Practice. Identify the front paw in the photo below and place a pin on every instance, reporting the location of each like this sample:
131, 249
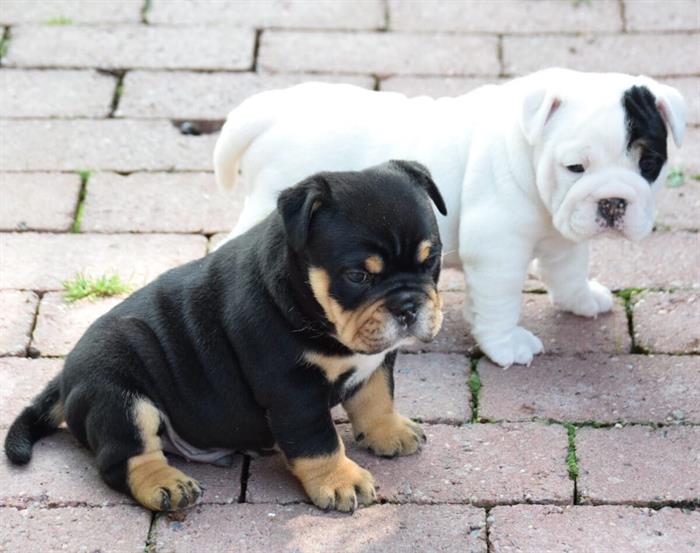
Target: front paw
391, 435
339, 484
516, 346
589, 302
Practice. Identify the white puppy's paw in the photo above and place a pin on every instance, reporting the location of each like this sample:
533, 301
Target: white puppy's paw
589, 302
516, 346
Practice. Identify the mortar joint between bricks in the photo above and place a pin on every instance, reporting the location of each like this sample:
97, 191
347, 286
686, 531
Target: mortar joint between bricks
118, 91
245, 475
474, 387
627, 296
150, 546
80, 206
256, 49
4, 42
623, 15
387, 16
145, 9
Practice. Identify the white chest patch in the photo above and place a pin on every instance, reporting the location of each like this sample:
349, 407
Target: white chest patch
335, 367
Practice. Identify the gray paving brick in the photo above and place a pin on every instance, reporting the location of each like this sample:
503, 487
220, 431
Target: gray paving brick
38, 201
382, 53
679, 15
190, 95
45, 261
22, 379
72, 11
662, 260
121, 529
667, 322
159, 202
639, 465
582, 529
480, 464
628, 388
653, 54
689, 87
319, 14
131, 46
305, 529
528, 16
33, 93
110, 145
434, 86
17, 311
678, 208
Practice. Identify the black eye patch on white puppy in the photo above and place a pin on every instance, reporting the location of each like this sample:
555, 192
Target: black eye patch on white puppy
646, 130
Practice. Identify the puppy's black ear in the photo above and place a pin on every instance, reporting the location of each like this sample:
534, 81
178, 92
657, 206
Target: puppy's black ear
297, 205
422, 177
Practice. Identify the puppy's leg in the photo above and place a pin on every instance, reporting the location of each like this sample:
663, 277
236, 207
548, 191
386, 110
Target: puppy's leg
564, 270
375, 422
123, 431
316, 456
494, 276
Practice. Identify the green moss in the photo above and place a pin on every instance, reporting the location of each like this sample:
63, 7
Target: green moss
695, 177
675, 178
628, 293
59, 20
475, 388
83, 286
571, 459
80, 208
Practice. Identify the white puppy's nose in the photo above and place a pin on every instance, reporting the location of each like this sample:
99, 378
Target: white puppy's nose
612, 210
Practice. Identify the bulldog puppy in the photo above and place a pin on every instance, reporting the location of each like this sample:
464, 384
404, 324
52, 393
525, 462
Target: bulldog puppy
250, 347
533, 168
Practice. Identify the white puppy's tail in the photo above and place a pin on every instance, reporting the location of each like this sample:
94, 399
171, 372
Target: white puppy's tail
243, 125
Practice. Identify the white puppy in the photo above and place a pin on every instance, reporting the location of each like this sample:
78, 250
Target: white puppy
532, 168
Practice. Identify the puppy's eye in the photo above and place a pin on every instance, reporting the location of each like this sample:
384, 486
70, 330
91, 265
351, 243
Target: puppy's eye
576, 168
357, 277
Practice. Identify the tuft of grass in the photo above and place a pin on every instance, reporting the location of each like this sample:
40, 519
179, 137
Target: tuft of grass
83, 286
628, 293
4, 43
695, 177
675, 178
475, 388
80, 208
59, 20
571, 459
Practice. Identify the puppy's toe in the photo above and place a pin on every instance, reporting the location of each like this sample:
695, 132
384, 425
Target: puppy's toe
343, 488
392, 435
160, 487
517, 346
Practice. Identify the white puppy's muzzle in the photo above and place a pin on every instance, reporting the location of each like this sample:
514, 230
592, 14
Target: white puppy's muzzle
616, 200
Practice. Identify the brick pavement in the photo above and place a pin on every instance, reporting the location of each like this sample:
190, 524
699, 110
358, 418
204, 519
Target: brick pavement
102, 86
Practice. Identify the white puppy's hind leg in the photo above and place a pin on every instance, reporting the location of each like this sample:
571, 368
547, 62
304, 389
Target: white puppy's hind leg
564, 270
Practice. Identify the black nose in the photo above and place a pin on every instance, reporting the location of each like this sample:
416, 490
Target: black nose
404, 307
612, 210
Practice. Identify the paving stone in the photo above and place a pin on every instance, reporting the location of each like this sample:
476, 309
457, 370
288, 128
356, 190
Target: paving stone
72, 11
222, 485
654, 54
479, 464
662, 260
189, 95
628, 388
639, 465
38, 201
17, 311
320, 14
451, 280
45, 261
118, 529
678, 208
61, 473
583, 529
305, 529
435, 86
61, 324
30, 93
667, 322
484, 16
381, 53
454, 336
568, 334
679, 15
109, 145
689, 87
687, 158
215, 240
131, 46
22, 379
158, 202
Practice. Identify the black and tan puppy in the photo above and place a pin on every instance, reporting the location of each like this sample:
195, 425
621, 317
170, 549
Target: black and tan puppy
250, 347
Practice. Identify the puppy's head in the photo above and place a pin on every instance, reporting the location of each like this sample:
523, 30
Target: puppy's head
370, 246
600, 149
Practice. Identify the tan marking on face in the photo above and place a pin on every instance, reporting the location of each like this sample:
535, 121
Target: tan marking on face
333, 366
152, 481
423, 250
333, 481
373, 417
361, 330
435, 299
374, 264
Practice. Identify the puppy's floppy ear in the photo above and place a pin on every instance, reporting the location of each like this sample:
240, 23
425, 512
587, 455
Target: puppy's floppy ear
671, 106
538, 108
422, 177
297, 205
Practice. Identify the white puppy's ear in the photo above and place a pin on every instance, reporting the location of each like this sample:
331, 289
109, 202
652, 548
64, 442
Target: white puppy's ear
538, 108
671, 105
